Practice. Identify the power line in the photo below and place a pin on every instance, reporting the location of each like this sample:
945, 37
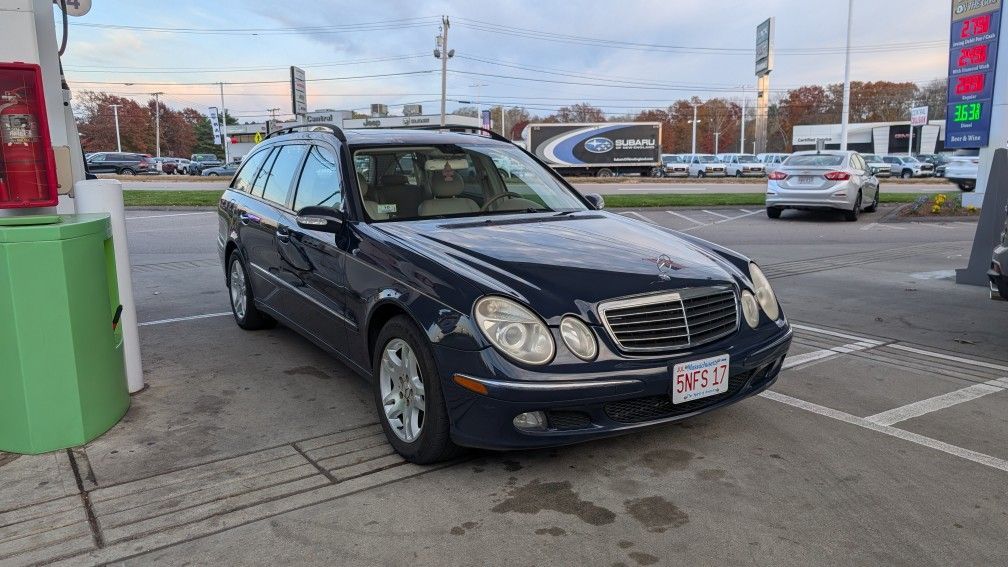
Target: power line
299, 30
159, 70
282, 81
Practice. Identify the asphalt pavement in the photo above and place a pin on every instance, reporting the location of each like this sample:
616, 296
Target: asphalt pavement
883, 442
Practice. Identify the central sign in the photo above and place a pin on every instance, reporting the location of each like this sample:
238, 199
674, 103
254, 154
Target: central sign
299, 93
764, 47
973, 47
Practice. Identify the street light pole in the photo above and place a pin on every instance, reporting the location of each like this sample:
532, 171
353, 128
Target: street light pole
115, 110
845, 117
741, 145
442, 52
694, 121
717, 136
157, 123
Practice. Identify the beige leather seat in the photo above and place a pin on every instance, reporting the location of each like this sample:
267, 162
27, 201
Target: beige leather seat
370, 206
446, 201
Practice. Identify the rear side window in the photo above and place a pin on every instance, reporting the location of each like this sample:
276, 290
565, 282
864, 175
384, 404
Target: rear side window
320, 183
243, 181
281, 173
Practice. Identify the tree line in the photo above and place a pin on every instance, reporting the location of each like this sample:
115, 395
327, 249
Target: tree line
187, 131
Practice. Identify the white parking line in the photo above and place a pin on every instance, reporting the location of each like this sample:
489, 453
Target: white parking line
172, 215
987, 460
952, 358
812, 329
823, 354
640, 216
917, 409
682, 216
716, 214
189, 318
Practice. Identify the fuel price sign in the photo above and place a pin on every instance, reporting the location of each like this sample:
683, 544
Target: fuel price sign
976, 26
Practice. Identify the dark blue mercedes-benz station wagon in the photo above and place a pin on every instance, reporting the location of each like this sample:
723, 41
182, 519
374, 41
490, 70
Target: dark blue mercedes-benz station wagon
490, 303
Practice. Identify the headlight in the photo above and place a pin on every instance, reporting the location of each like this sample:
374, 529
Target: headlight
578, 338
514, 330
750, 309
764, 293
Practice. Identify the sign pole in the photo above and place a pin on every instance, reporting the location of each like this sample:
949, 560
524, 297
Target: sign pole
224, 138
764, 65
845, 115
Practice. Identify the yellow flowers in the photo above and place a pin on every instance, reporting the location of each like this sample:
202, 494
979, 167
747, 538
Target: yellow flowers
935, 209
940, 199
971, 209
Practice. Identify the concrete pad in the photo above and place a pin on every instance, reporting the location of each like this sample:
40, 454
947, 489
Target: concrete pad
270, 388
980, 424
757, 483
30, 479
44, 531
861, 386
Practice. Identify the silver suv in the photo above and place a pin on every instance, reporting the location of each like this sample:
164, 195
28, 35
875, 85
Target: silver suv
998, 273
908, 166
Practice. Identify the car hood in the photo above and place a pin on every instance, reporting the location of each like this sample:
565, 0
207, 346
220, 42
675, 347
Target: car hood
562, 264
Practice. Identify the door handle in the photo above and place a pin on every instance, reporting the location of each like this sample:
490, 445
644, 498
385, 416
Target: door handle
283, 233
248, 218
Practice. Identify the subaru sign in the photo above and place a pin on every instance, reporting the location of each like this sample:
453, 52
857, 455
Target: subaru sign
599, 145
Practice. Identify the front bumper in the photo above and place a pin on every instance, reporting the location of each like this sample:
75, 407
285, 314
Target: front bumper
635, 393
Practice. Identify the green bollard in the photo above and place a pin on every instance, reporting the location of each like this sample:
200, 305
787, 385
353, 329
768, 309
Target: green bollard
62, 378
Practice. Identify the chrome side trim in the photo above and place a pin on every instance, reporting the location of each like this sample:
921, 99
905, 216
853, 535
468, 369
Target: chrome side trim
288, 286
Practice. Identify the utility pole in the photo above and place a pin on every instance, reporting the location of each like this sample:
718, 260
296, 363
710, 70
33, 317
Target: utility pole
115, 110
717, 136
272, 119
845, 116
224, 136
479, 106
503, 123
741, 145
442, 52
157, 123
694, 121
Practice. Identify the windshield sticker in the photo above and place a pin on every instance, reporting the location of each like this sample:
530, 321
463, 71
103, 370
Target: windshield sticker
386, 208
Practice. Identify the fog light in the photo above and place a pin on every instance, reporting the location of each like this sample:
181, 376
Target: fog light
530, 421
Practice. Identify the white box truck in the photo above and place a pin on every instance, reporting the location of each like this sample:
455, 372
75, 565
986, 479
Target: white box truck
601, 149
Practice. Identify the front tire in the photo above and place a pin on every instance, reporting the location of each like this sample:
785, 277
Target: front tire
907, 174
738, 174
605, 172
407, 393
966, 187
126, 171
246, 314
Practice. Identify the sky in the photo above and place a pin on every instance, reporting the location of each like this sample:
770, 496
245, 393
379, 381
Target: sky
622, 56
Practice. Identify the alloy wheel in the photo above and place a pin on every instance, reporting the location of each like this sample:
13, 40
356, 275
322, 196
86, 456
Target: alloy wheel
239, 296
402, 390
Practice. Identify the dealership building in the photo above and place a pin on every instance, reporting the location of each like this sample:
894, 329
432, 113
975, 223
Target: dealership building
873, 137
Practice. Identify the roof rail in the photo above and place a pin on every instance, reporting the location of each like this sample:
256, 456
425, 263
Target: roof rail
336, 130
465, 130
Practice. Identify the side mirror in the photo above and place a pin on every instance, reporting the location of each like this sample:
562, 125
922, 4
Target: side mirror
325, 219
596, 200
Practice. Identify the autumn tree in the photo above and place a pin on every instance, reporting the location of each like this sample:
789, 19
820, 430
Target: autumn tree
580, 112
96, 123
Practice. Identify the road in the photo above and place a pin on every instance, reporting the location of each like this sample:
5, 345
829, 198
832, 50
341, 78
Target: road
883, 441
629, 187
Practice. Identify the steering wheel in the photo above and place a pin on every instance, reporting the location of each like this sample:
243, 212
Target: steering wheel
486, 206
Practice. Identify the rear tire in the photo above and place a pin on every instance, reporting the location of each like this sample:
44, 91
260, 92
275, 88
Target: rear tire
966, 187
407, 394
853, 214
738, 174
243, 307
126, 171
605, 172
774, 212
700, 174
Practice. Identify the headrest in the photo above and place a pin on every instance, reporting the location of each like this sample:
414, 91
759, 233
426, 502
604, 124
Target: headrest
446, 183
394, 179
363, 184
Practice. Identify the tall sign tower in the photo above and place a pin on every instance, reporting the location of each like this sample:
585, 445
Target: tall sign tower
764, 65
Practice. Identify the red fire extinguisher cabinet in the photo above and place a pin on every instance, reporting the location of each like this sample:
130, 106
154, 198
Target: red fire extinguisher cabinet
27, 164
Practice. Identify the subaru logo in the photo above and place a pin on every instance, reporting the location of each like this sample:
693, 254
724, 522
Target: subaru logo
598, 145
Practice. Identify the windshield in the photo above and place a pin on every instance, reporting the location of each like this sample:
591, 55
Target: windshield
407, 183
205, 157
871, 158
707, 159
910, 160
671, 159
815, 160
747, 158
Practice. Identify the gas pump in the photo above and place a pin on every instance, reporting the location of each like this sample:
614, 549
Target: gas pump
62, 370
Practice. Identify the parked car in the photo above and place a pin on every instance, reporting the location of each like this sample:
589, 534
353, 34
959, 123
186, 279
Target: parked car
879, 166
198, 162
672, 165
831, 180
938, 161
771, 161
962, 168
908, 166
742, 165
705, 165
224, 170
121, 163
182, 166
484, 314
998, 273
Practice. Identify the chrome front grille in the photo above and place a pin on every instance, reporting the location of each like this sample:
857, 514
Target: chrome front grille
671, 321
